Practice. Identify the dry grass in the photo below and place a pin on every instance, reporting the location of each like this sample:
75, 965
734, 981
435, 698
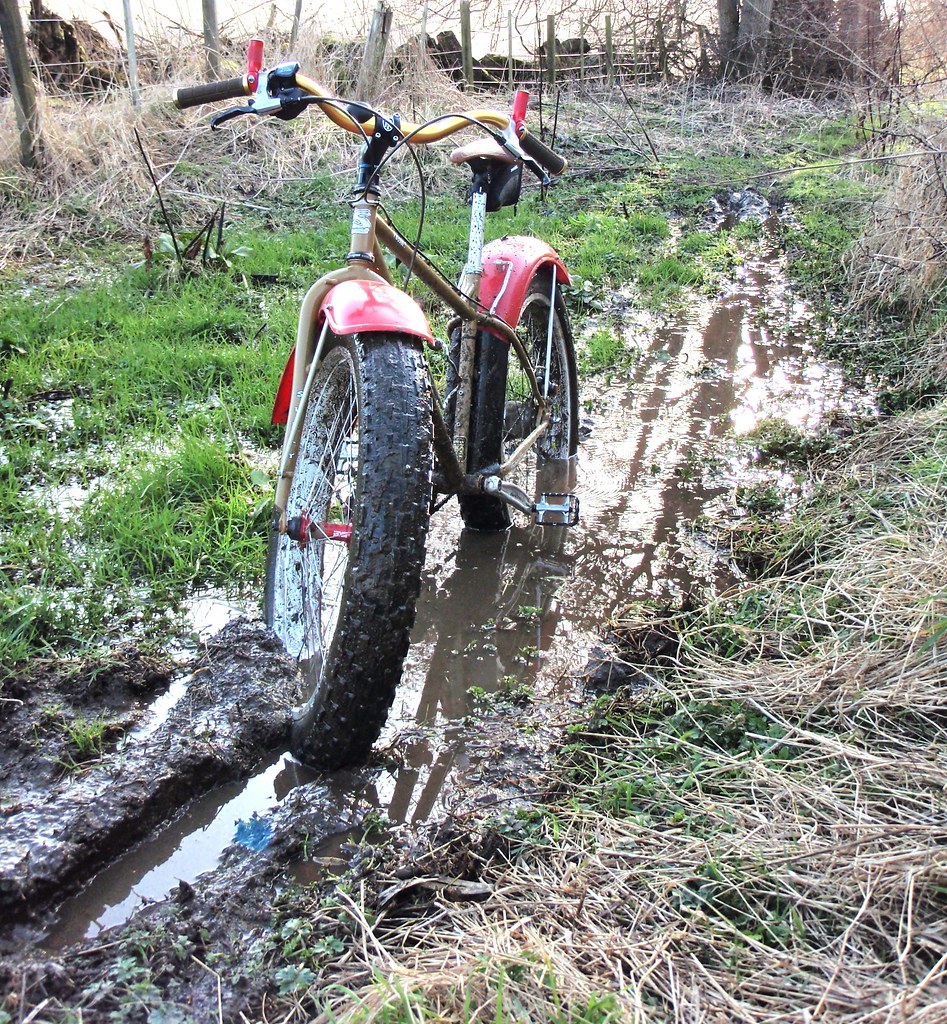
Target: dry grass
901, 256
748, 840
95, 182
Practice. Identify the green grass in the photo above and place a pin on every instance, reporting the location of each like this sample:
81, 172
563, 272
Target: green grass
135, 414
134, 425
605, 350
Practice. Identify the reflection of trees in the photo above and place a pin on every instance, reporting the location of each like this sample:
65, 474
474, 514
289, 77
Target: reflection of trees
475, 615
675, 417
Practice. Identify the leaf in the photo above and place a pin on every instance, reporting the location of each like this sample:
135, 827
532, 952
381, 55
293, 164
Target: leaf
293, 979
455, 889
259, 478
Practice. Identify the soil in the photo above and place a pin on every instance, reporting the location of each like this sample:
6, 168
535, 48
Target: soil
216, 948
236, 709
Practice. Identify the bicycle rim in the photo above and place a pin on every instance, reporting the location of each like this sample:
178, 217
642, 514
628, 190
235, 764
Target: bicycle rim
310, 573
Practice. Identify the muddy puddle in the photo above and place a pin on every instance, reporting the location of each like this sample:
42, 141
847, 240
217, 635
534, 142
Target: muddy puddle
507, 621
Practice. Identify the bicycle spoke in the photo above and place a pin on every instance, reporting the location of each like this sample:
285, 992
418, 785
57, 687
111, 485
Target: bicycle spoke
323, 495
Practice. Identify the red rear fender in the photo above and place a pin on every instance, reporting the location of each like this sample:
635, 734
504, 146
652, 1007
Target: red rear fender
509, 266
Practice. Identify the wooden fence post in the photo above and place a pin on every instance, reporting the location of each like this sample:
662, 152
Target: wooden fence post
21, 82
373, 60
551, 50
422, 35
609, 52
297, 17
466, 42
662, 50
132, 53
582, 50
211, 38
509, 47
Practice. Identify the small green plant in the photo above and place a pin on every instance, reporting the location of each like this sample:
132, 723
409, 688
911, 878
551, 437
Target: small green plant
529, 611
87, 736
761, 499
778, 441
605, 350
512, 693
293, 978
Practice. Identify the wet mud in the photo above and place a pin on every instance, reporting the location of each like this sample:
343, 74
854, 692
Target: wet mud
203, 836
65, 818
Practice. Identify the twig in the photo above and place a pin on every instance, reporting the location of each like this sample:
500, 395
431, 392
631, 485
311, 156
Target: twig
220, 228
154, 181
220, 998
634, 145
842, 163
638, 121
36, 1011
555, 121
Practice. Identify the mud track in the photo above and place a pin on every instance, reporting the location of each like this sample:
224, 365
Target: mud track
70, 818
211, 949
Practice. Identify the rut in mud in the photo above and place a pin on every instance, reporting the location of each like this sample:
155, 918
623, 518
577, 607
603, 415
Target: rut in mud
506, 645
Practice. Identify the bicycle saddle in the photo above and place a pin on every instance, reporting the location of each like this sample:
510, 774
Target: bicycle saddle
481, 149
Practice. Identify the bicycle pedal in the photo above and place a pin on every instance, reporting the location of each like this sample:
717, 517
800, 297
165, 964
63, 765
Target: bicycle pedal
556, 510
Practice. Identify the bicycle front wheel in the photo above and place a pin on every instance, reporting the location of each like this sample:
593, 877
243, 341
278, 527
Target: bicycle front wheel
342, 584
504, 410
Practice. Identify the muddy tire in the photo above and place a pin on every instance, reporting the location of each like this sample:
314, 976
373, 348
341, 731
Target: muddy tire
342, 595
503, 411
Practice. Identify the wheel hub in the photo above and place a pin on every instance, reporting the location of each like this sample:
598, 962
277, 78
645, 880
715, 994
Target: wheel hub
302, 529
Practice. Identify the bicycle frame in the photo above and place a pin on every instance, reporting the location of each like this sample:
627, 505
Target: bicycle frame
363, 297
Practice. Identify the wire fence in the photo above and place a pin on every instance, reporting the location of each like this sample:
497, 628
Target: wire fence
494, 46
70, 57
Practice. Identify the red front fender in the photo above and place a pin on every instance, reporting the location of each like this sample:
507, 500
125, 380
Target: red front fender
355, 307
509, 265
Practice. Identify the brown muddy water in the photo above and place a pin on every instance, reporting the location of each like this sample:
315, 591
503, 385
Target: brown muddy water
526, 609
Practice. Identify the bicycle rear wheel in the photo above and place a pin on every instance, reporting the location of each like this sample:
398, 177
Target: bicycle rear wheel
504, 410
342, 585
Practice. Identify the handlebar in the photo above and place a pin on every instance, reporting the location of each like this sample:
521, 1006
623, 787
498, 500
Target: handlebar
542, 154
210, 92
355, 117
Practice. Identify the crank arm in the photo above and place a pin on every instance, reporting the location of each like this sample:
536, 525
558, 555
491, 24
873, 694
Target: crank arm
548, 510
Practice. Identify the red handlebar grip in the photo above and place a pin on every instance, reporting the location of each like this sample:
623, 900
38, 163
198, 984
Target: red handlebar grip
210, 92
542, 154
520, 103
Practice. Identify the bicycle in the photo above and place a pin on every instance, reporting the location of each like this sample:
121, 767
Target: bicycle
371, 447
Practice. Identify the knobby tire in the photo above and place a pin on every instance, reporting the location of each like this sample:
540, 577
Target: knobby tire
345, 609
503, 410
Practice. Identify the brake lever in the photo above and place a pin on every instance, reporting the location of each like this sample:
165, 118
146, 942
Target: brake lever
228, 115
537, 169
509, 140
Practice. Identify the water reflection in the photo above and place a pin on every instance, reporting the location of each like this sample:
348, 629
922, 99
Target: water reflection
181, 850
527, 606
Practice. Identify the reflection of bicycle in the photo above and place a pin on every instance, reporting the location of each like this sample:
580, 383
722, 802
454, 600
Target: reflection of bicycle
368, 432
487, 619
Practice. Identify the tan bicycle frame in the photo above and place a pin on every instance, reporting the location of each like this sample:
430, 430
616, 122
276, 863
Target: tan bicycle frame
474, 318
